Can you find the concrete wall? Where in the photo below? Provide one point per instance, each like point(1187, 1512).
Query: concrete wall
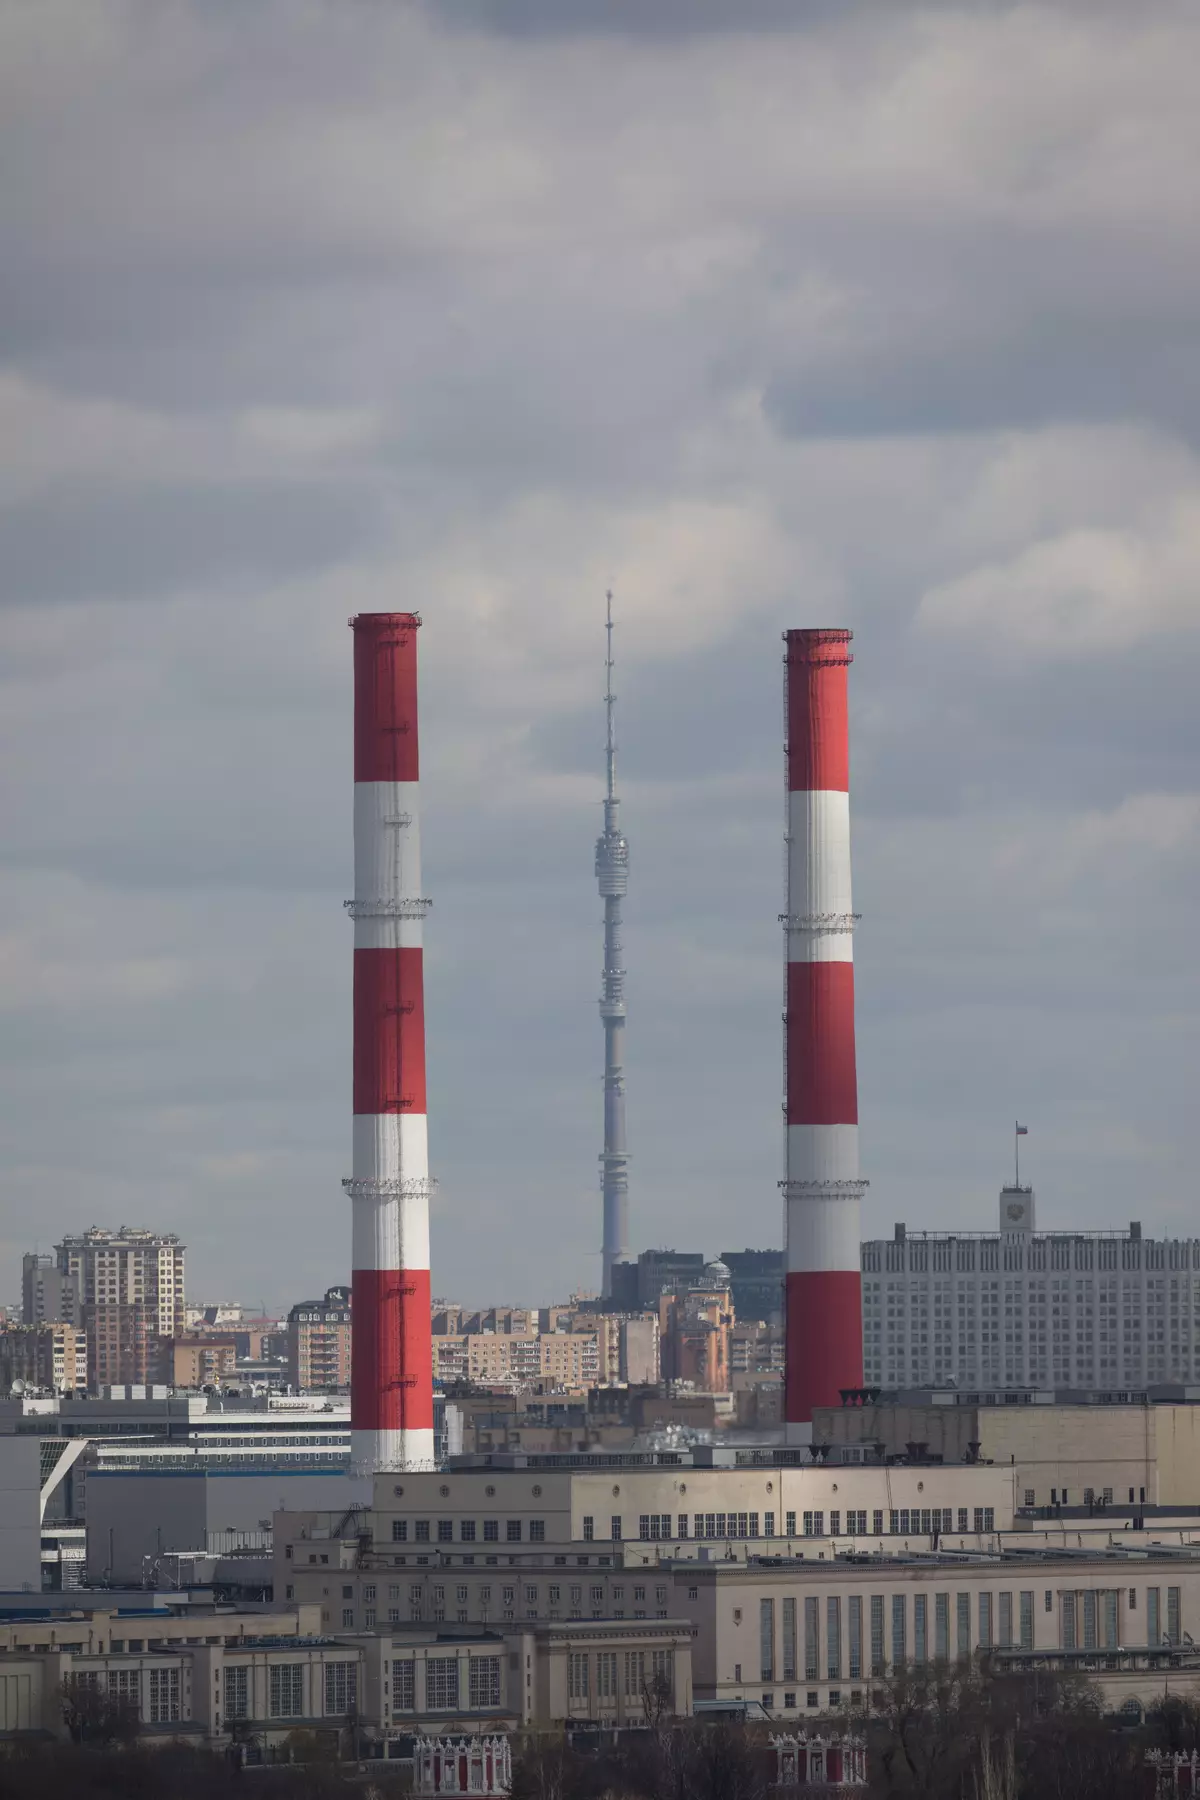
point(134, 1516)
point(1049, 1447)
point(20, 1513)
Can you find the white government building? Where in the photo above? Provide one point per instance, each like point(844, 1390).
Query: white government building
point(1022, 1308)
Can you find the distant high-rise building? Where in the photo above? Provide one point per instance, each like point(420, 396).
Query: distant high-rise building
point(757, 1283)
point(1106, 1310)
point(46, 1293)
point(320, 1343)
point(637, 1285)
point(50, 1354)
point(130, 1289)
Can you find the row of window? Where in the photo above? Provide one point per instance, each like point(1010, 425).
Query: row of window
point(443, 1683)
point(424, 1533)
point(945, 1632)
point(644, 1674)
point(900, 1521)
point(285, 1690)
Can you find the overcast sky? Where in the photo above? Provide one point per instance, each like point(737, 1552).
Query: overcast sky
point(877, 315)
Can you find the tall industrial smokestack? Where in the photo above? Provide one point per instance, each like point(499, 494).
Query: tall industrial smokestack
point(612, 873)
point(391, 1381)
point(822, 1190)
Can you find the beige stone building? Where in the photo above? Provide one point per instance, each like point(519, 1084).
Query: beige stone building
point(256, 1677)
point(1062, 1450)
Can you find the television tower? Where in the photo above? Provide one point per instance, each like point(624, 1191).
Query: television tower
point(612, 873)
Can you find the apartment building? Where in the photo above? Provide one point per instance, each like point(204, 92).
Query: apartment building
point(46, 1293)
point(1023, 1308)
point(50, 1355)
point(319, 1337)
point(130, 1288)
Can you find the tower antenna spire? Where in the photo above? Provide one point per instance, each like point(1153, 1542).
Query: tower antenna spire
point(612, 874)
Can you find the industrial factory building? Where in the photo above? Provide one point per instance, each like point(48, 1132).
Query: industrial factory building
point(1018, 1308)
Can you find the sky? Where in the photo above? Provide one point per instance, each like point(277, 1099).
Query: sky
point(773, 315)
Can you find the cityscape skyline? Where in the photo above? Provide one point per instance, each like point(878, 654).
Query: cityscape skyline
point(766, 405)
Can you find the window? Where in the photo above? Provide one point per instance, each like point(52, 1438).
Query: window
point(812, 1638)
point(789, 1524)
point(1029, 1496)
point(484, 1681)
point(766, 1640)
point(877, 1666)
point(422, 1531)
point(941, 1626)
point(512, 1531)
point(285, 1687)
point(237, 1693)
point(341, 1687)
point(347, 1593)
point(1173, 1633)
point(577, 1676)
point(1027, 1619)
point(789, 1638)
point(537, 1531)
point(833, 1638)
point(606, 1676)
point(1133, 1599)
point(441, 1683)
point(589, 1528)
point(347, 1618)
point(769, 1524)
point(877, 1527)
point(399, 1531)
point(962, 1614)
point(531, 1595)
point(404, 1687)
point(1153, 1626)
point(899, 1630)
point(466, 1531)
point(985, 1621)
point(855, 1635)
point(491, 1531)
point(835, 1524)
point(920, 1629)
point(615, 1524)
point(128, 1684)
point(768, 1702)
point(682, 1525)
point(635, 1674)
point(962, 1518)
point(1005, 1621)
point(164, 1696)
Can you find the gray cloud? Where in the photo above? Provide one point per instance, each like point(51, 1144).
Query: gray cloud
point(313, 310)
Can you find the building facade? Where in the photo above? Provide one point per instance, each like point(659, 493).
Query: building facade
point(319, 1343)
point(50, 1355)
point(254, 1677)
point(1023, 1308)
point(46, 1293)
point(130, 1288)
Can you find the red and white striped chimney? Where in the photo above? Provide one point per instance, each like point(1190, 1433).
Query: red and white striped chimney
point(822, 1189)
point(391, 1380)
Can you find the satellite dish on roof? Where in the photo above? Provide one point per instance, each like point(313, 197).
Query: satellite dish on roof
point(17, 1388)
